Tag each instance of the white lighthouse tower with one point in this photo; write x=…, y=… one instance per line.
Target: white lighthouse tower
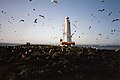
x=66, y=41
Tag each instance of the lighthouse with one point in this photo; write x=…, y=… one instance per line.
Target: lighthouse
x=67, y=41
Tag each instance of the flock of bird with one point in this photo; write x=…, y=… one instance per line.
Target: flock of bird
x=109, y=14
x=55, y=1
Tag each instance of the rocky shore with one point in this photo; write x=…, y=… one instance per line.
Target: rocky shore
x=46, y=62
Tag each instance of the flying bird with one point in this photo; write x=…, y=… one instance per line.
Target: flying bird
x=28, y=14
x=75, y=21
x=111, y=30
x=74, y=25
x=22, y=20
x=54, y=1
x=111, y=33
x=114, y=30
x=42, y=16
x=101, y=10
x=90, y=27
x=115, y=20
x=91, y=14
x=30, y=0
x=102, y=1
x=99, y=34
x=96, y=39
x=73, y=33
x=35, y=21
x=12, y=18
x=33, y=9
x=98, y=21
x=3, y=12
x=109, y=13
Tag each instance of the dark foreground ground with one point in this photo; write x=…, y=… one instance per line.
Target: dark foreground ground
x=54, y=63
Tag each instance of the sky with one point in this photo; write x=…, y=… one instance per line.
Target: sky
x=41, y=21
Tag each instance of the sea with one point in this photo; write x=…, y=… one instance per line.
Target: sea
x=107, y=47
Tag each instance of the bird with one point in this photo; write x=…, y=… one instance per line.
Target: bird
x=54, y=1
x=111, y=33
x=42, y=16
x=9, y=22
x=101, y=10
x=79, y=36
x=111, y=30
x=118, y=30
x=91, y=14
x=102, y=1
x=96, y=39
x=35, y=21
x=75, y=21
x=114, y=30
x=28, y=14
x=90, y=27
x=115, y=20
x=99, y=34
x=74, y=25
x=98, y=21
x=33, y=9
x=118, y=11
x=109, y=13
x=2, y=11
x=12, y=18
x=30, y=0
x=73, y=33
x=21, y=20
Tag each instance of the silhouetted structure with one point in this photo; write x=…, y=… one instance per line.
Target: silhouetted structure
x=66, y=41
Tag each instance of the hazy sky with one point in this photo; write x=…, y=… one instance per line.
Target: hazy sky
x=92, y=20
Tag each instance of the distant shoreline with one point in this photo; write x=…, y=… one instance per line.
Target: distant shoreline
x=107, y=47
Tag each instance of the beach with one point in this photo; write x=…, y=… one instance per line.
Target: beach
x=47, y=62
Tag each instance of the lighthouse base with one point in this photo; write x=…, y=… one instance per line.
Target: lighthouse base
x=67, y=43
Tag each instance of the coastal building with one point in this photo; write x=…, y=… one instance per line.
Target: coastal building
x=67, y=41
